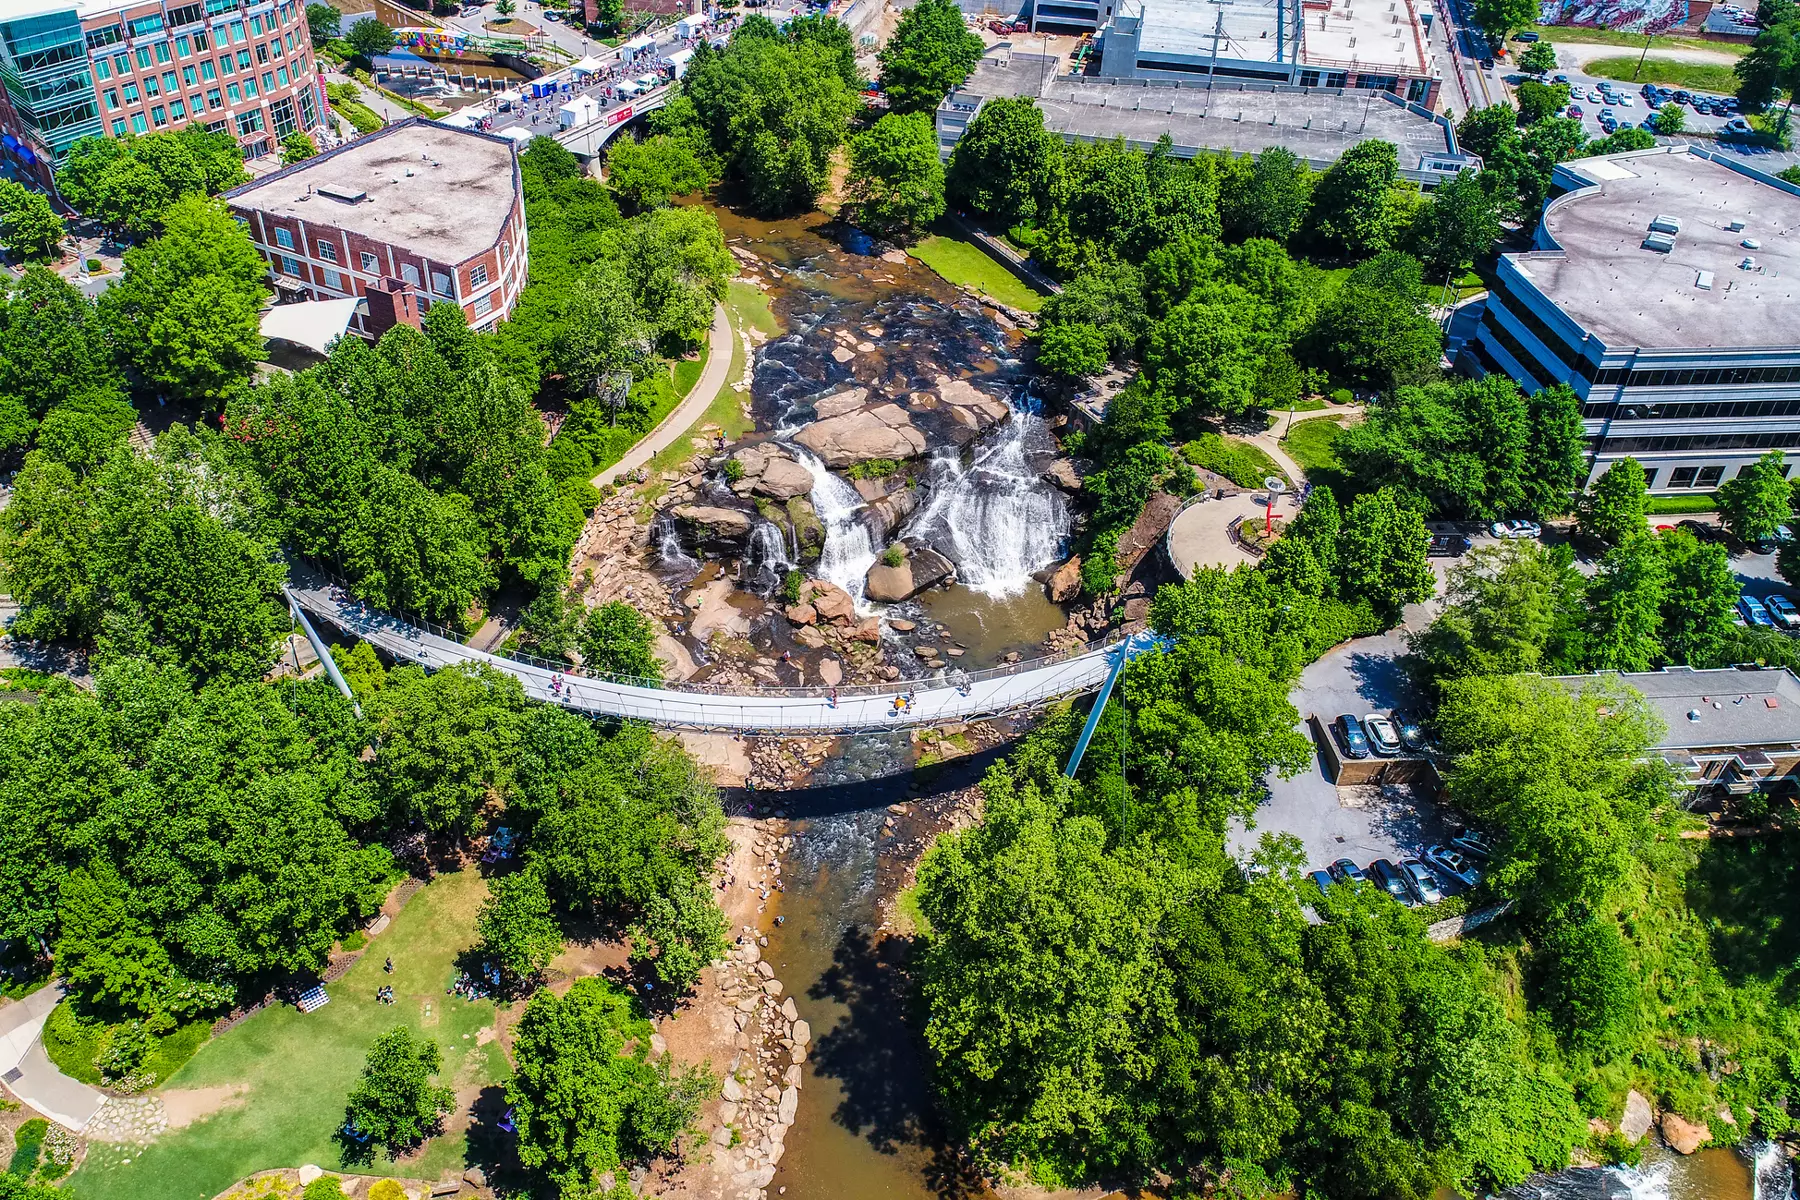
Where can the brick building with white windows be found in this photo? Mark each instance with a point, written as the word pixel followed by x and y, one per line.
pixel 411 215
pixel 71 69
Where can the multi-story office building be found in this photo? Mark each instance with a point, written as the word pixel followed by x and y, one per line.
pixel 89 67
pixel 411 215
pixel 1664 287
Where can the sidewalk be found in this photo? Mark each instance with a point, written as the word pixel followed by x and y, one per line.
pixel 27 1070
pixel 697 401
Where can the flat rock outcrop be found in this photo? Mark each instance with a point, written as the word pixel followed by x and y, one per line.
pixel 922 568
pixel 885 431
pixel 769 470
pixel 712 527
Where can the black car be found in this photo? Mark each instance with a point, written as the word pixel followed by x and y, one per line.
pixel 1412 734
pixel 1702 531
pixel 1350 736
pixel 1448 545
pixel 1345 871
pixel 1392 881
pixel 1487 64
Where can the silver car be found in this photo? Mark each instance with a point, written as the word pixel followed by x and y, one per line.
pixel 1455 864
pixel 1423 883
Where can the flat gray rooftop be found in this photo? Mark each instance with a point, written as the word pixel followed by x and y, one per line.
pixel 1632 297
pixel 1746 709
pixel 440 191
pixel 1318 124
pixel 1245 30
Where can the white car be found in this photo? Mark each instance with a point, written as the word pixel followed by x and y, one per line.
pixel 1626 101
pixel 1507 530
pixel 1381 734
pixel 1782 609
pixel 1594 97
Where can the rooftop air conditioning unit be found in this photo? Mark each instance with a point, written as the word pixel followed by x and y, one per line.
pixel 1660 242
pixel 1666 225
pixel 1704 280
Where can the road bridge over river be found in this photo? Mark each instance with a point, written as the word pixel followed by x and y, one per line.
pixel 861 708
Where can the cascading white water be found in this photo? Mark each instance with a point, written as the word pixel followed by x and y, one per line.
pixel 668 546
pixel 1774 1173
pixel 1002 521
pixel 766 557
pixel 849 549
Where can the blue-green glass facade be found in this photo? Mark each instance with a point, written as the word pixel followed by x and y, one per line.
pixel 44 68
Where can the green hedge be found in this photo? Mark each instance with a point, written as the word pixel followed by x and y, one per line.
pixel 73 1043
pixel 1693 502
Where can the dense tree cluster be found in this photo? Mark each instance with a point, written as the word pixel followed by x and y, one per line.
pixel 773 105
pixel 896 181
pixel 1101 984
pixel 170 843
pixel 128 183
pixel 1770 72
pixel 931 52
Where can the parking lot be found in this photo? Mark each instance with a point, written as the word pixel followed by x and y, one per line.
pixel 1364 676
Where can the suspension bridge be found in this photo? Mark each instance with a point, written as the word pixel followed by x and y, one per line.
pixel 852 708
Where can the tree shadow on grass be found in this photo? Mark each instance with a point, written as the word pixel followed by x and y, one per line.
pixel 1743 891
pixel 493 1149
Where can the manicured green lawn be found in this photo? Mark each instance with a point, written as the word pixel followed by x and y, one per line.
pixel 1575 35
pixel 968 265
pixel 1708 77
pixel 296 1070
pixel 1309 444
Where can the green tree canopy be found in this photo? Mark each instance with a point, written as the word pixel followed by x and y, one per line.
pixel 1355 207
pixel 583 1103
pixel 896 180
pixel 128 183
pixel 447 741
pixel 395 1105
pixel 1271 200
pixel 616 639
pixel 518 931
pixel 1615 506
pixel 1502 18
pixel 647 174
pixel 1755 500
pixel 930 52
pixel 323 23
pixel 28 225
pixel 1458 225
pixel 369 37
pixel 1509 607
pixel 1381 552
pixel 1006 165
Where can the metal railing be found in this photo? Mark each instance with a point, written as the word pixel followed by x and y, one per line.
pixel 346 601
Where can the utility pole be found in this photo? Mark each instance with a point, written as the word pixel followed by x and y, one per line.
pixel 1648 38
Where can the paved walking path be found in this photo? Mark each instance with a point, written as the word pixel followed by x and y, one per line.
pixel 28 1071
pixel 691 408
pixel 906 704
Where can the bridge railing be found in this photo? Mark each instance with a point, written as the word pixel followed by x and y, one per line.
pixel 346 600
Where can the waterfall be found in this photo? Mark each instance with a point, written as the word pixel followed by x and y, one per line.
pixel 766 558
pixel 1774 1173
pixel 1001 521
pixel 668 547
pixel 849 546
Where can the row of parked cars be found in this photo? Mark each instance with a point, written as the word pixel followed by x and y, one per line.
pixel 1773 611
pixel 1376 733
pixel 1415 881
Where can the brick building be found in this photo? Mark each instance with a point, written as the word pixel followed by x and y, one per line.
pixel 406 217
pixel 70 70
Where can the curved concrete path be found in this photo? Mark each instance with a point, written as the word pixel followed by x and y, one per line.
pixel 692 406
pixel 28 1071
pixel 850 709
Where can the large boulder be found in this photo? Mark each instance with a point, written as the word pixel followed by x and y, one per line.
pixel 922 568
pixel 973 410
pixel 713 528
pixel 831 602
pixel 885 515
pixel 1062 474
pixel 1152 522
pixel 885 431
pixel 839 403
pixel 1063 583
pixel 769 470
pixel 1684 1136
pixel 809 531
pixel 1635 1122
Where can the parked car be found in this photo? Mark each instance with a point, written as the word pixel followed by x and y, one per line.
pixel 1783 610
pixel 1320 879
pixel 1381 733
pixel 1448 545
pixel 1474 845
pixel 1773 542
pixel 1350 736
pixel 1487 64
pixel 1527 530
pixel 1412 734
pixel 1593 96
pixel 1754 612
pixel 1702 531
pixel 1454 864
pixel 1736 127
pixel 1392 881
pixel 1575 111
pixel 1423 883
pixel 1626 101
pixel 1345 871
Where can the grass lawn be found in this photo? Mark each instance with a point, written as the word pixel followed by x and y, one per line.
pixel 1708 77
pixel 296 1070
pixel 1577 35
pixel 1309 444
pixel 1694 502
pixel 968 265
